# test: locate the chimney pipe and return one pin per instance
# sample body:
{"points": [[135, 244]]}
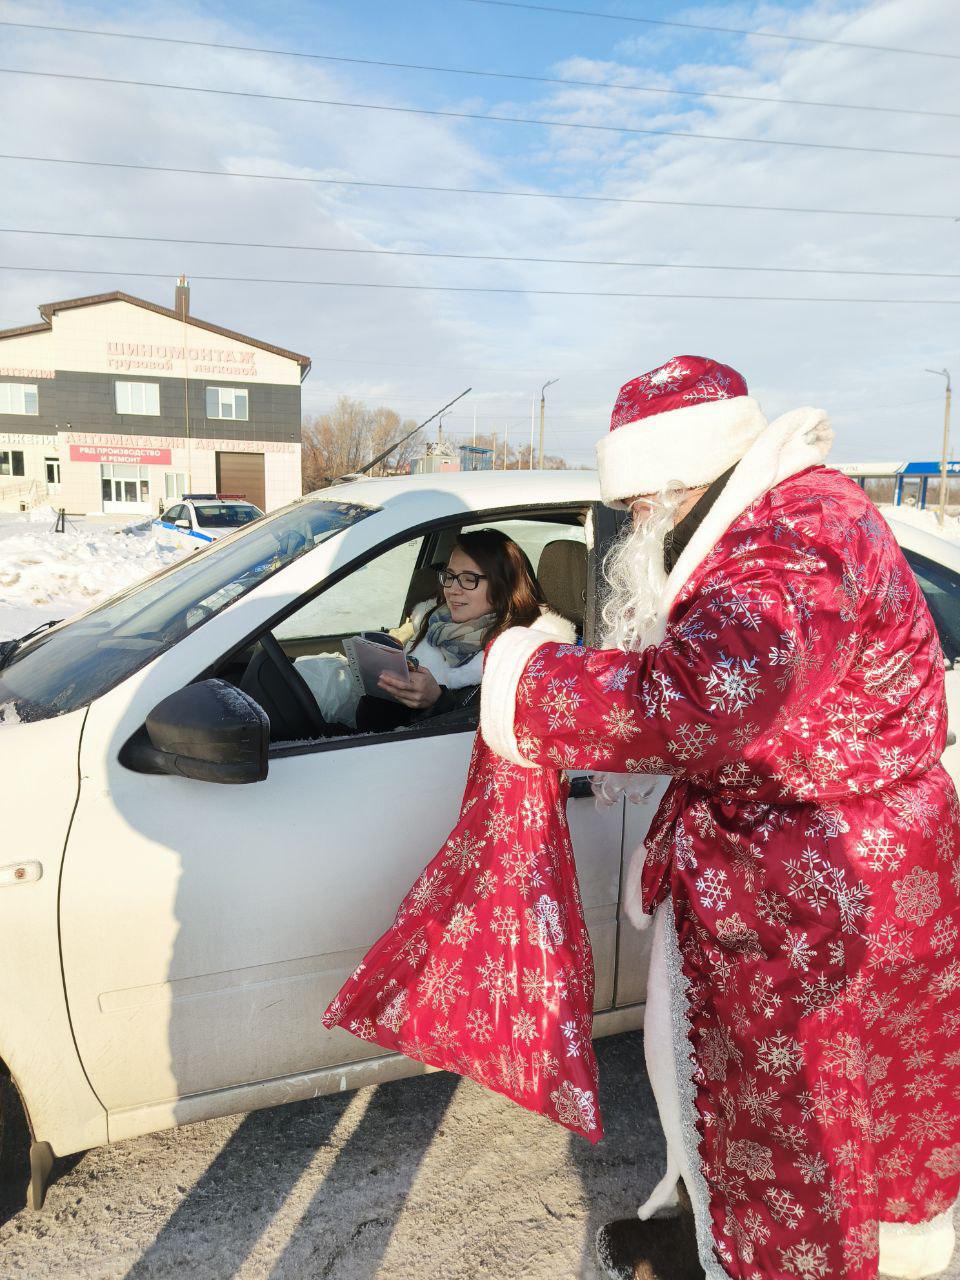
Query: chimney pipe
{"points": [[181, 302]]}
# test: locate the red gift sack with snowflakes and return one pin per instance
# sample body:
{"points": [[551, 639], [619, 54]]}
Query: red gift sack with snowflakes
{"points": [[487, 968]]}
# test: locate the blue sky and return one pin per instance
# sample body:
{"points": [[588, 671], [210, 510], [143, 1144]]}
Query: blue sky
{"points": [[864, 362]]}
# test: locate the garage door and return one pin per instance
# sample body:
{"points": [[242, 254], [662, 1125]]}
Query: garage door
{"points": [[242, 474]]}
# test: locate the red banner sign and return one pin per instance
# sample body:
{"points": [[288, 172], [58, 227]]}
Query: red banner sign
{"points": [[119, 453]]}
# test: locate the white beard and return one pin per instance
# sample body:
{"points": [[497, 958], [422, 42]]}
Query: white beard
{"points": [[636, 578]]}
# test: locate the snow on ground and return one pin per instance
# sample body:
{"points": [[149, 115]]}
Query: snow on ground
{"points": [[925, 519], [46, 575]]}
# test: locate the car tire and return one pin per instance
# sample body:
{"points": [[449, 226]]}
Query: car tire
{"points": [[14, 1151]]}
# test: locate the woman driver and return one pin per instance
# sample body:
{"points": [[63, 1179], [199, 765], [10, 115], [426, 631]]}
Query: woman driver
{"points": [[488, 585]]}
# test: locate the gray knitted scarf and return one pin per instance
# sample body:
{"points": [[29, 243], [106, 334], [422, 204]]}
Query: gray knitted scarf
{"points": [[458, 642]]}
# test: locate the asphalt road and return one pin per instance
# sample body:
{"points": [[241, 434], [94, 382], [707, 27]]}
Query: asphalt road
{"points": [[419, 1178], [422, 1178]]}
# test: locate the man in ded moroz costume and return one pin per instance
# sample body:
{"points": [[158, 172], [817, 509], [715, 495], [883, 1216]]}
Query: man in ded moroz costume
{"points": [[771, 654]]}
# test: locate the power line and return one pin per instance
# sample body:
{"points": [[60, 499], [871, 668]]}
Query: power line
{"points": [[473, 71], [726, 31], [479, 191], [485, 257], [456, 288], [437, 113]]}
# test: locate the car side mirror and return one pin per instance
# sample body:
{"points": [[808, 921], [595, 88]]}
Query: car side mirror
{"points": [[182, 524], [210, 731]]}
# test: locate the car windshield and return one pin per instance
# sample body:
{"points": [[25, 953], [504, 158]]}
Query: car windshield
{"points": [[218, 515], [69, 666]]}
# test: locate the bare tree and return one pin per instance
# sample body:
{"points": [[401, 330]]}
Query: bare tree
{"points": [[387, 427], [346, 438]]}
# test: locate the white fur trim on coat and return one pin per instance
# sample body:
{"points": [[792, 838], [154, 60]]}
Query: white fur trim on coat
{"points": [[911, 1252], [505, 663], [690, 447]]}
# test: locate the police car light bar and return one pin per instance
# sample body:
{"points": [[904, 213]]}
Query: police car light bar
{"points": [[214, 497]]}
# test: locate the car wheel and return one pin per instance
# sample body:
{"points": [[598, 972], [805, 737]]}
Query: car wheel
{"points": [[14, 1151]]}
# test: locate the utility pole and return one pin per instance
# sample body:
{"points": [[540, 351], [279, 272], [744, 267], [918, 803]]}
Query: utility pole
{"points": [[182, 302], [533, 411], [944, 373], [506, 433], [494, 451], [542, 404], [474, 426]]}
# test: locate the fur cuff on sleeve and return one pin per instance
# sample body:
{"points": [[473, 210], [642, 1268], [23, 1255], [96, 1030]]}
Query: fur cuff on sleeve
{"points": [[505, 663]]}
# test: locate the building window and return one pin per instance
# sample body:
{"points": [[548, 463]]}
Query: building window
{"points": [[11, 462], [124, 484], [18, 397], [138, 397], [174, 483], [52, 467], [227, 402]]}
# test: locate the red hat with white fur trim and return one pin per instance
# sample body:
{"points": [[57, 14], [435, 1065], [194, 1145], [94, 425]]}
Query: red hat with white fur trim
{"points": [[684, 424]]}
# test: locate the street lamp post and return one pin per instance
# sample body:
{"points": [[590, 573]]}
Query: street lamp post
{"points": [[944, 373], [542, 407]]}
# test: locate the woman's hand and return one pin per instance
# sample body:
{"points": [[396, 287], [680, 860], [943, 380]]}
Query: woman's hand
{"points": [[417, 692]]}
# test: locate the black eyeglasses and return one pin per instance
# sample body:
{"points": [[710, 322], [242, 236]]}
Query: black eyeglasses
{"points": [[466, 580]]}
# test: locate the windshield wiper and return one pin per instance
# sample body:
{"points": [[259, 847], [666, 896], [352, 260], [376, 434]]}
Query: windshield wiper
{"points": [[9, 647]]}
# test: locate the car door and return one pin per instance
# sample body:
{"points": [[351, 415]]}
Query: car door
{"points": [[940, 585], [205, 928]]}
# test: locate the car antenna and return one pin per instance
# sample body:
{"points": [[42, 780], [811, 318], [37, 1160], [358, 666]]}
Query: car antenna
{"points": [[397, 443]]}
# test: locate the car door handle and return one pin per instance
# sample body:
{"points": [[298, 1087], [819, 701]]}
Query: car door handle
{"points": [[581, 787]]}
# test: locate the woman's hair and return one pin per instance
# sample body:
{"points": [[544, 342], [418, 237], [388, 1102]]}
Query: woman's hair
{"points": [[515, 594]]}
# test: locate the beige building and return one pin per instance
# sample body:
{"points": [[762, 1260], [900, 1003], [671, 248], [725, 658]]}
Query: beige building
{"points": [[115, 405]]}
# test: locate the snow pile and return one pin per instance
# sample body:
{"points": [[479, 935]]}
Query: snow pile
{"points": [[46, 575], [42, 515], [925, 519]]}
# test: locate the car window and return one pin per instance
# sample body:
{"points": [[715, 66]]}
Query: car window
{"points": [[369, 599], [72, 664], [941, 590], [218, 515], [173, 515], [379, 595], [533, 535]]}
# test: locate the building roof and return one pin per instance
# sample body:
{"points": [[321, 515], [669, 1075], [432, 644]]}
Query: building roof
{"points": [[49, 309]]}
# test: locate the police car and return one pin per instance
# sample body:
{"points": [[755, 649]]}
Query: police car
{"points": [[208, 516]]}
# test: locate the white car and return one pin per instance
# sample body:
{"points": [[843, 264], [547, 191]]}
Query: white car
{"points": [[935, 562], [207, 516], [168, 943]]}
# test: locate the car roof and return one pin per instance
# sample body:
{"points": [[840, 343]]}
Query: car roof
{"points": [[944, 551], [223, 502], [468, 490]]}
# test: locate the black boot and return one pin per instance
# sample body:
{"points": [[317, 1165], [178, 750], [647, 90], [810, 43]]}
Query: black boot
{"points": [[662, 1248]]}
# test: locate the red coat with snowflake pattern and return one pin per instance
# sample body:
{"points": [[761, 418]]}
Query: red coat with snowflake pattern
{"points": [[810, 840]]}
